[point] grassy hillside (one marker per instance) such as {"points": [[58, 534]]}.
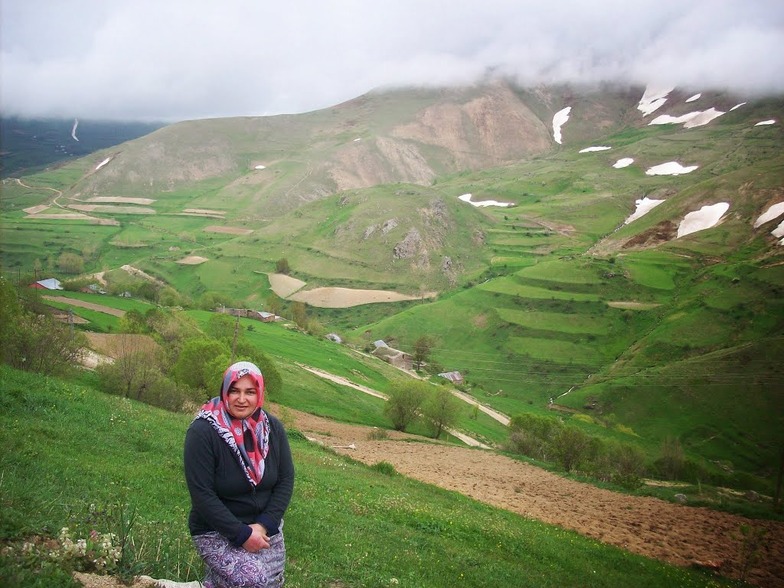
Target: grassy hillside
{"points": [[118, 464], [553, 297]]}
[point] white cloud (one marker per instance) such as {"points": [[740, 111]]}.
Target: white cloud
{"points": [[198, 58]]}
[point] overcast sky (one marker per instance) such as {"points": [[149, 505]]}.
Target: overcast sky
{"points": [[183, 59]]}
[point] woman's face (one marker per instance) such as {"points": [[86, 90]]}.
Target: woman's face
{"points": [[242, 398]]}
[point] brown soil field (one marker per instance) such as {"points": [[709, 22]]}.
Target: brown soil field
{"points": [[284, 285], [192, 260], [121, 200], [90, 305], [629, 305], [227, 230], [115, 346], [204, 211], [679, 534], [346, 297]]}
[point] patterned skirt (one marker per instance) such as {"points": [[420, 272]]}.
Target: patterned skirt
{"points": [[227, 566]]}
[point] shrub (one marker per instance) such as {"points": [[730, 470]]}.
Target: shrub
{"points": [[405, 399]]}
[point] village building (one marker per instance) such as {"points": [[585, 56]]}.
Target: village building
{"points": [[395, 357], [259, 315], [455, 377], [47, 284]]}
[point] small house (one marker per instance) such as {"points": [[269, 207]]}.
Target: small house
{"points": [[454, 377], [48, 284], [399, 359]]}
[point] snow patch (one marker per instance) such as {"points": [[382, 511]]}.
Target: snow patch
{"points": [[706, 217], [693, 98], [778, 232], [483, 203], [773, 212], [737, 106], [73, 130], [766, 122], [260, 167], [644, 206], [623, 162], [653, 99], [671, 168], [103, 163], [690, 120], [591, 149], [559, 120]]}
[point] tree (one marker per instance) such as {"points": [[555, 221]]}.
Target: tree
{"points": [[30, 338], [136, 367], [222, 327], [191, 367], [441, 411], [300, 314], [133, 321], [572, 447], [70, 263], [405, 399], [533, 435], [273, 304], [422, 348], [282, 266], [672, 459]]}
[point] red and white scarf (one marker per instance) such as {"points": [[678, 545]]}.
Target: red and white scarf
{"points": [[248, 437]]}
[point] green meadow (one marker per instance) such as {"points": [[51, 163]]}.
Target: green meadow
{"points": [[118, 469]]}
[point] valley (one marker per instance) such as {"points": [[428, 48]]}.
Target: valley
{"points": [[604, 258]]}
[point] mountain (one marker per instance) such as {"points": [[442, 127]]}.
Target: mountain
{"points": [[28, 145], [615, 251]]}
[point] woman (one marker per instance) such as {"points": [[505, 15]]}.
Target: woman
{"points": [[240, 477]]}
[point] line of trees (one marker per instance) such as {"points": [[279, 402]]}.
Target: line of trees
{"points": [[552, 441]]}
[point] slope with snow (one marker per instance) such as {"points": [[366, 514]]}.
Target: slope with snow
{"points": [[623, 162], [644, 206], [671, 168], [771, 213], [483, 203], [706, 217], [689, 120], [559, 120], [597, 148], [653, 99]]}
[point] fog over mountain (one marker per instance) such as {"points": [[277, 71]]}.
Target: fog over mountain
{"points": [[185, 59]]}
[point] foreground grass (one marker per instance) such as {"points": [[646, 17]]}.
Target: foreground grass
{"points": [[75, 457]]}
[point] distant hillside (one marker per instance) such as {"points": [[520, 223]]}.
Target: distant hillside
{"points": [[28, 145]]}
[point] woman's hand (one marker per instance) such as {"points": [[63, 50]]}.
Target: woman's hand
{"points": [[258, 539]]}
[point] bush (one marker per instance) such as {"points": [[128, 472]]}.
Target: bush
{"points": [[405, 399]]}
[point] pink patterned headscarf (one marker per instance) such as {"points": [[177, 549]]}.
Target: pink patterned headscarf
{"points": [[248, 437]]}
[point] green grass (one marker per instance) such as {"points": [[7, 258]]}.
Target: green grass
{"points": [[348, 524]]}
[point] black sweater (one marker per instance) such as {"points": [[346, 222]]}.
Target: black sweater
{"points": [[222, 498]]}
